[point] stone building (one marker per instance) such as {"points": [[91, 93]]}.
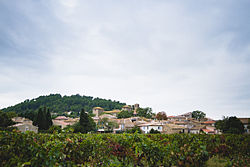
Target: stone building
{"points": [[97, 111]]}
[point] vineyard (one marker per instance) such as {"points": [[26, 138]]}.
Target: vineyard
{"points": [[68, 149]]}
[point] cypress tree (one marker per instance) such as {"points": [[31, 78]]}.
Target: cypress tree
{"points": [[43, 119], [49, 119]]}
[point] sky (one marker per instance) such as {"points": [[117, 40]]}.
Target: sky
{"points": [[173, 56]]}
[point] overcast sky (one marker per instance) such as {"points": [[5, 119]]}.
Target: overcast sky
{"points": [[174, 56]]}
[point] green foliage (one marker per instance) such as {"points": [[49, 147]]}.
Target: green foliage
{"points": [[107, 125], [135, 129], [5, 119], [198, 115], [145, 112], [152, 131], [230, 125], [59, 104], [68, 149], [125, 114], [43, 119], [86, 123], [54, 129]]}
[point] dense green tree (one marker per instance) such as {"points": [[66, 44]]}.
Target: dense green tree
{"points": [[86, 123], [145, 112], [152, 131], [198, 115], [230, 125], [107, 125], [135, 129], [125, 114], [60, 104], [49, 119], [5, 120], [43, 119]]}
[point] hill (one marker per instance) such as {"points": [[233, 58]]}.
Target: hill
{"points": [[59, 104]]}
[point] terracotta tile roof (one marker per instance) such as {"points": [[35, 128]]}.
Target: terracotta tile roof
{"points": [[100, 108], [245, 120], [209, 122], [208, 131], [61, 118], [113, 111]]}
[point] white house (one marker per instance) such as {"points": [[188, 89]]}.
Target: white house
{"points": [[153, 125]]}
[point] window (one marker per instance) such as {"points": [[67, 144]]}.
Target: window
{"points": [[26, 128]]}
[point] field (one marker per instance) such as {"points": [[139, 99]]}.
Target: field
{"points": [[68, 149]]}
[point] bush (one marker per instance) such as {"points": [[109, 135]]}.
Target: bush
{"points": [[71, 149]]}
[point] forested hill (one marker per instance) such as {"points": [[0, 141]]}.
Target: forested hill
{"points": [[59, 104]]}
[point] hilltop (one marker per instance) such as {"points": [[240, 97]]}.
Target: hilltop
{"points": [[60, 104]]}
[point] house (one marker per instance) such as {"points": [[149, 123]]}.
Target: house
{"points": [[172, 128], [126, 108], [125, 124], [152, 125], [187, 115], [60, 123], [23, 127], [246, 124], [61, 118], [196, 129], [113, 112], [208, 123], [107, 116], [21, 120], [97, 111]]}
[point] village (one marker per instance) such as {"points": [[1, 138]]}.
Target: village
{"points": [[183, 123]]}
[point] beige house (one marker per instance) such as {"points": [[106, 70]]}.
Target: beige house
{"points": [[97, 111], [23, 127], [127, 108], [172, 128], [113, 112], [246, 123]]}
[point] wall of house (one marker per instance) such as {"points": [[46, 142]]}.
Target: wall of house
{"points": [[146, 129]]}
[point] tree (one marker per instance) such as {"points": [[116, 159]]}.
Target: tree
{"points": [[5, 120], [43, 119], [230, 125], [134, 130], [145, 112], [86, 123], [125, 114], [49, 119], [198, 115], [161, 116], [107, 125], [152, 131]]}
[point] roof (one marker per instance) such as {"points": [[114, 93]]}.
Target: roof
{"points": [[209, 122], [59, 122], [18, 119], [181, 122], [173, 126], [100, 108], [151, 124], [126, 106], [22, 124], [245, 120], [107, 116], [61, 118], [113, 111], [208, 131]]}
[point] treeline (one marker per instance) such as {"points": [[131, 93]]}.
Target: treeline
{"points": [[60, 104]]}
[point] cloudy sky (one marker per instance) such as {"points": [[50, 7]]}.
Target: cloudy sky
{"points": [[174, 56]]}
